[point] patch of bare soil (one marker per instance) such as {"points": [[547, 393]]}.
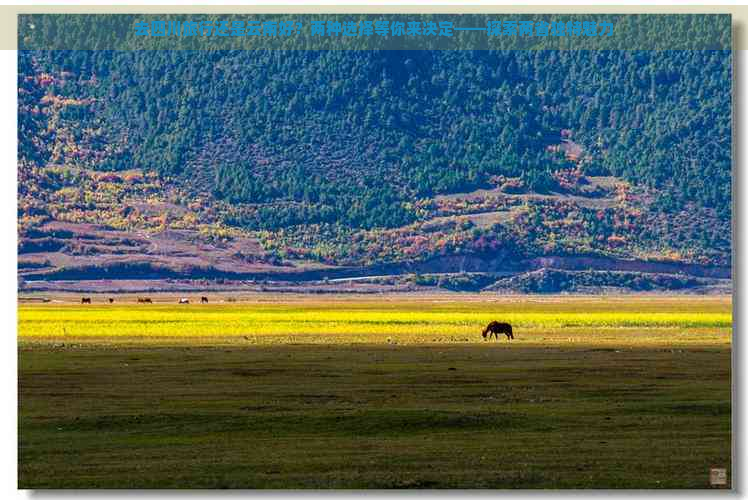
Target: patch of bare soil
{"points": [[605, 182]]}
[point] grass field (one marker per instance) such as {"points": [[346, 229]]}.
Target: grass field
{"points": [[397, 392]]}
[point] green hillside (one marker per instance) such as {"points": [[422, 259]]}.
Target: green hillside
{"points": [[365, 158]]}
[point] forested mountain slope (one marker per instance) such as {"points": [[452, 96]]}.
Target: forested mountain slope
{"points": [[249, 161]]}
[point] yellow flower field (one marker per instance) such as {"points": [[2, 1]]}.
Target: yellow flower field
{"points": [[372, 321]]}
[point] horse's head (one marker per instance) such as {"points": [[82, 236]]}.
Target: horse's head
{"points": [[485, 332]]}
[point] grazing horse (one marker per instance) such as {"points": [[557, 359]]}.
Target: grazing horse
{"points": [[184, 301], [144, 300], [86, 300], [203, 300], [111, 300], [495, 328]]}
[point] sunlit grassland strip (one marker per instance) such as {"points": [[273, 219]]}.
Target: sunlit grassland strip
{"points": [[338, 323]]}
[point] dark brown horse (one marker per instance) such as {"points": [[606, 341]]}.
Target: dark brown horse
{"points": [[203, 300], [495, 328], [86, 300]]}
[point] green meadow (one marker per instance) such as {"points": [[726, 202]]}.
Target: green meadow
{"points": [[618, 392]]}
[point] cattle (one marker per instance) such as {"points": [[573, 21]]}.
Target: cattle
{"points": [[495, 328], [184, 301], [144, 300], [86, 300], [203, 300]]}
